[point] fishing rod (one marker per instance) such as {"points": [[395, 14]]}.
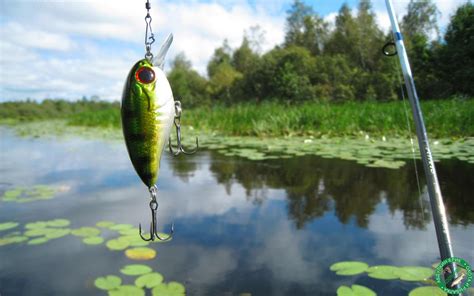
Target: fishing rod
{"points": [[434, 192]]}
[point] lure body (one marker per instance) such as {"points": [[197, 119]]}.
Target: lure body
{"points": [[147, 113]]}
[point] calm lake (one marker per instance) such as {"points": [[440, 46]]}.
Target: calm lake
{"points": [[271, 227]]}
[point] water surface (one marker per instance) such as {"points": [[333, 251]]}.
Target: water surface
{"points": [[269, 227]]}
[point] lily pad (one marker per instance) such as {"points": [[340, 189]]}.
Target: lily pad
{"points": [[140, 253], [170, 289], [134, 240], [136, 269], [12, 240], [383, 272], [414, 273], [127, 290], [119, 227], [105, 224], [108, 282], [38, 241], [35, 225], [427, 291], [355, 290], [57, 233], [86, 231], [58, 223], [39, 231], [149, 280], [22, 195], [8, 225], [349, 267], [129, 231], [93, 240], [117, 245]]}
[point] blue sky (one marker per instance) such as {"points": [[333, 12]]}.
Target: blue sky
{"points": [[70, 49]]}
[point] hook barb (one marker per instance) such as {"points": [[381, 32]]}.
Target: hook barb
{"points": [[177, 124], [153, 231]]}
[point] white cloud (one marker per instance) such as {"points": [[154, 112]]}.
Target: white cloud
{"points": [[74, 48], [85, 41]]}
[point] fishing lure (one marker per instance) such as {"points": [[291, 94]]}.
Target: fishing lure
{"points": [[148, 111]]}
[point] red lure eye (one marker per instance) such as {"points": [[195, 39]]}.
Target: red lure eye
{"points": [[145, 75]]}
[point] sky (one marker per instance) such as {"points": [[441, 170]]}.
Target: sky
{"points": [[70, 49]]}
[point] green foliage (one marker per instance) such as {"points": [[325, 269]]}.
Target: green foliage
{"points": [[456, 60], [304, 28], [449, 118], [187, 85]]}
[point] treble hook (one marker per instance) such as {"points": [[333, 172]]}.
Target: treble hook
{"points": [[153, 231], [177, 123]]}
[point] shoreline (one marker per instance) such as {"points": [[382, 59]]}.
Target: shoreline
{"points": [[382, 152]]}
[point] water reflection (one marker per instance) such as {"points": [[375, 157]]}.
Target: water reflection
{"points": [[268, 228], [315, 186]]}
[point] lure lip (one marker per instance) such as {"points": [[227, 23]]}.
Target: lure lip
{"points": [[159, 59]]}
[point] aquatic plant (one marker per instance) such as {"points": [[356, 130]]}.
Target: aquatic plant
{"points": [[34, 193], [385, 272]]}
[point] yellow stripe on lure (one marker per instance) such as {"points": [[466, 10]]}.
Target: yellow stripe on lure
{"points": [[147, 112]]}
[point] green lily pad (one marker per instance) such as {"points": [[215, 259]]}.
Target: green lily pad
{"points": [[149, 280], [93, 240], [8, 225], [117, 245], [127, 290], [383, 272], [140, 253], [13, 193], [134, 240], [35, 225], [170, 289], [349, 267], [57, 233], [12, 240], [39, 231], [119, 227], [136, 269], [427, 291], [108, 282], [58, 223], [414, 273], [86, 231], [355, 290], [129, 231], [105, 224], [38, 241], [37, 192]]}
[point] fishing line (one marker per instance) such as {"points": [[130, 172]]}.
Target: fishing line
{"points": [[407, 119]]}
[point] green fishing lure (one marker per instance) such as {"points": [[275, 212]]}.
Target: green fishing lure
{"points": [[147, 111]]}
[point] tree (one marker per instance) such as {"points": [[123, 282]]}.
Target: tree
{"points": [[221, 55], [188, 86], [421, 19], [295, 21], [305, 28], [456, 57], [418, 26]]}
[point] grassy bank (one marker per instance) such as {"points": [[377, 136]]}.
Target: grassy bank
{"points": [[446, 118], [449, 118]]}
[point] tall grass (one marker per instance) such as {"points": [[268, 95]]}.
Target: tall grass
{"points": [[444, 118]]}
